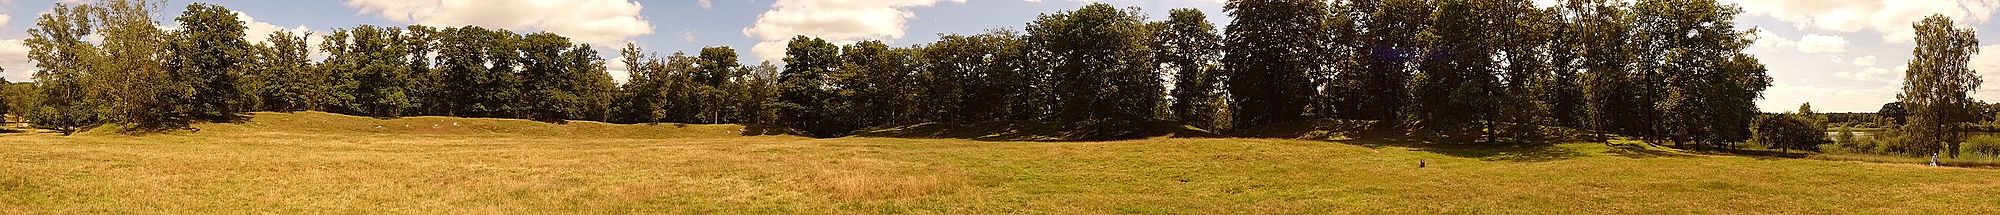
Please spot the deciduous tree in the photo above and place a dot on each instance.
(1937, 87)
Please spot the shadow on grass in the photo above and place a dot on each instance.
(1642, 150)
(1516, 152)
(1758, 154)
(1040, 131)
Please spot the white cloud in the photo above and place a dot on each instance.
(602, 22)
(837, 20)
(1815, 43)
(1987, 64)
(619, 71)
(1865, 61)
(1766, 39)
(688, 35)
(14, 57)
(256, 32)
(1891, 18)
(1783, 97)
(1874, 74)
(705, 4)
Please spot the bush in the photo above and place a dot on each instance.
(1871, 145)
(1846, 136)
(1986, 145)
(1788, 132)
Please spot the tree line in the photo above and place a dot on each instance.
(139, 74)
(1663, 70)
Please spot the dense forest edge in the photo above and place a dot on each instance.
(1661, 72)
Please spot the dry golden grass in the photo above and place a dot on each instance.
(319, 163)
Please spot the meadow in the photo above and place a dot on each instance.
(322, 163)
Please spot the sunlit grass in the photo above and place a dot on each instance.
(318, 163)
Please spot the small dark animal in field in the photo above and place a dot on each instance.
(1420, 163)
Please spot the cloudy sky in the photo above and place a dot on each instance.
(1840, 55)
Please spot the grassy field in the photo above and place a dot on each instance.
(320, 163)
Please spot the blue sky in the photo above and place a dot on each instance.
(1841, 55)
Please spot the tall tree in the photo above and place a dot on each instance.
(977, 78)
(1563, 91)
(1373, 81)
(1525, 78)
(1701, 87)
(869, 82)
(1937, 87)
(759, 101)
(1456, 88)
(590, 82)
(643, 96)
(57, 45)
(1268, 58)
(1100, 64)
(1187, 44)
(546, 79)
(428, 92)
(716, 66)
(131, 77)
(1601, 29)
(284, 72)
(477, 65)
(207, 64)
(4, 103)
(805, 87)
(374, 70)
(953, 62)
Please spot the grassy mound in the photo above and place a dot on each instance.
(336, 124)
(1315, 129)
(1040, 131)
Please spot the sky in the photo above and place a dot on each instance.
(1840, 55)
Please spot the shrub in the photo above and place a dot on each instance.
(1789, 132)
(1846, 136)
(1987, 145)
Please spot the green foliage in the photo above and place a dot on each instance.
(428, 90)
(556, 81)
(130, 78)
(1661, 70)
(1845, 136)
(870, 83)
(1789, 132)
(1455, 89)
(208, 62)
(478, 67)
(6, 104)
(1988, 145)
(1099, 62)
(20, 99)
(1937, 88)
(977, 78)
(805, 88)
(1269, 79)
(1893, 114)
(371, 67)
(284, 75)
(715, 69)
(641, 99)
(56, 44)
(1186, 44)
